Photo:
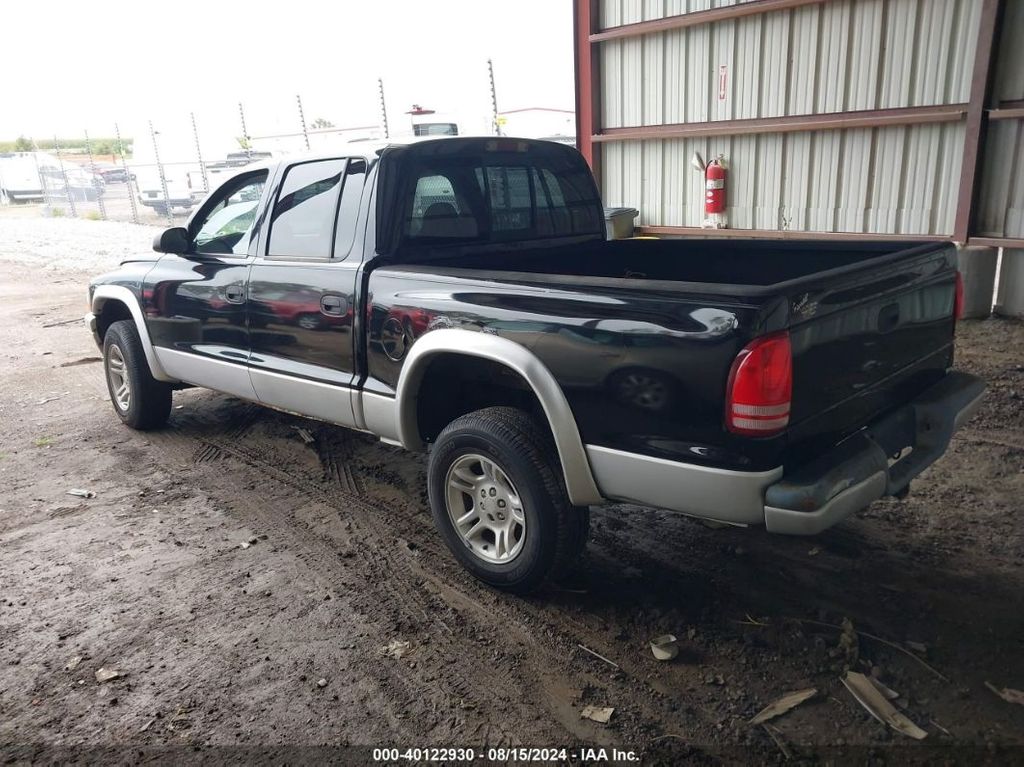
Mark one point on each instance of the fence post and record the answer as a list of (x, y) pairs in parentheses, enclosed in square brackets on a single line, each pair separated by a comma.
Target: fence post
[(199, 153), (245, 134), (302, 121), (92, 169), (127, 176), (163, 178), (42, 178), (64, 175), (383, 107), (494, 99)]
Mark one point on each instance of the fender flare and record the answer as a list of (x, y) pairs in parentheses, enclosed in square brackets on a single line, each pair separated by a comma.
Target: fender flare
[(579, 480), (121, 294)]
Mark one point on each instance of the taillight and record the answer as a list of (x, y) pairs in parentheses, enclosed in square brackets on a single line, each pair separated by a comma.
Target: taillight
[(958, 297), (760, 387)]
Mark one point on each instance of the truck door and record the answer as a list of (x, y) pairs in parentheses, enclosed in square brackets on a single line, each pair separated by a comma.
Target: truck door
[(195, 303), (302, 292)]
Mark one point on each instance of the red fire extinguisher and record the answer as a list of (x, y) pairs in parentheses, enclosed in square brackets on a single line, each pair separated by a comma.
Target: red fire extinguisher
[(714, 194)]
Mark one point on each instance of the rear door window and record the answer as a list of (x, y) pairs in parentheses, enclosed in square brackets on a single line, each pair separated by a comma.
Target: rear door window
[(348, 211), (302, 225)]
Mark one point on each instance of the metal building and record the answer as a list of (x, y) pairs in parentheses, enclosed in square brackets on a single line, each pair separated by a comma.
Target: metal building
[(848, 117)]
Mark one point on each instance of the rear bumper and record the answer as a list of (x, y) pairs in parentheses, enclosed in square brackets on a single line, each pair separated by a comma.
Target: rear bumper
[(857, 471), (813, 497)]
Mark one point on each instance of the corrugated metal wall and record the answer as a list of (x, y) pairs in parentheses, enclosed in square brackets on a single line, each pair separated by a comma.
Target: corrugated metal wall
[(1001, 202), (1009, 85), (838, 56), (894, 180)]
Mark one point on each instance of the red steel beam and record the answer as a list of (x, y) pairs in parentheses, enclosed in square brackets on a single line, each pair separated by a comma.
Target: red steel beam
[(697, 18), (974, 136), (1007, 110), (773, 234), (873, 118), (997, 242), (586, 16)]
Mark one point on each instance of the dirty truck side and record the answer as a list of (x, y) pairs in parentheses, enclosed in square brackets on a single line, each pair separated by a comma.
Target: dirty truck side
[(459, 296)]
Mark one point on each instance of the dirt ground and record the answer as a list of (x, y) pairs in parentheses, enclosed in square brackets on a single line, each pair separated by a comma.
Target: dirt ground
[(252, 589)]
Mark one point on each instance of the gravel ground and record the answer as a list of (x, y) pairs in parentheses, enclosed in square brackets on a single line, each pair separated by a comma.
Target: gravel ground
[(253, 589), (68, 244)]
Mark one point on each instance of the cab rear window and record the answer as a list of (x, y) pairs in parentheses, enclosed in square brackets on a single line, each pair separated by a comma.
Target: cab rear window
[(502, 190)]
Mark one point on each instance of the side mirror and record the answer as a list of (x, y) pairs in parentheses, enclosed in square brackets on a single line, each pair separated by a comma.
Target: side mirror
[(173, 240)]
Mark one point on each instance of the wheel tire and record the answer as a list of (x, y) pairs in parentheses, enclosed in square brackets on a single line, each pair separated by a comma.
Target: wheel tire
[(308, 321), (148, 400), (555, 531)]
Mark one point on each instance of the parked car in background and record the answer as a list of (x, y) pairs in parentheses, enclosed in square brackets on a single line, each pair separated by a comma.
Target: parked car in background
[(111, 173), (19, 178), (39, 176), (63, 181), (479, 309)]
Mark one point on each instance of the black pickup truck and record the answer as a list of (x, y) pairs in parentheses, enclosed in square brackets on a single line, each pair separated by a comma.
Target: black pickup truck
[(459, 296)]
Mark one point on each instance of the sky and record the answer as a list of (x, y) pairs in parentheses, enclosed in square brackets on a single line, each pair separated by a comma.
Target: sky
[(131, 62)]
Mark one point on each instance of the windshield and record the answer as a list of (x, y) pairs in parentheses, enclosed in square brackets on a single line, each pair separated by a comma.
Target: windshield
[(495, 190)]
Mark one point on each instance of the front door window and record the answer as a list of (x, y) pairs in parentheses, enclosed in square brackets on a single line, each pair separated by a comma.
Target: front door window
[(227, 225)]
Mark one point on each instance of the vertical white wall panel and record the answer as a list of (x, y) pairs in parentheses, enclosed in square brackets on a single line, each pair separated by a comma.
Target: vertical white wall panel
[(821, 209), (852, 190), (676, 76), (631, 100), (866, 31), (743, 93), (698, 51), (832, 58), (653, 81), (951, 154), (772, 83), (803, 56)]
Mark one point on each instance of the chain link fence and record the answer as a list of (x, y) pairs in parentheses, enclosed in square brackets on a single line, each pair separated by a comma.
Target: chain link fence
[(152, 176)]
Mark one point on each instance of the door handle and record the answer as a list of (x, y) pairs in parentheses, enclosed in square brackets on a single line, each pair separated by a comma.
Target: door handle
[(234, 294), (333, 306)]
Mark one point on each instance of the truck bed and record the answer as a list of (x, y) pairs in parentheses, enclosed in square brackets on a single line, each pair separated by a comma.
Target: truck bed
[(744, 267), (871, 326)]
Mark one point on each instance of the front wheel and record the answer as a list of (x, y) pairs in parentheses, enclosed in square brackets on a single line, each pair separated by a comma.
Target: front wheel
[(139, 400), (499, 502)]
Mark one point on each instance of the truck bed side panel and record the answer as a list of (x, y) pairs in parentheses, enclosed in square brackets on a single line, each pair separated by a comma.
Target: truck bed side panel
[(643, 371)]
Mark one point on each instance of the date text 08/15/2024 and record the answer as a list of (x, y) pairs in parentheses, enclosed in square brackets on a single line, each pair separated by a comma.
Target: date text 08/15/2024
[(503, 754)]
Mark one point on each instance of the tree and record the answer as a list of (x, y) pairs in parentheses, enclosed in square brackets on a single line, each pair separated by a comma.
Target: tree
[(320, 122), (22, 144)]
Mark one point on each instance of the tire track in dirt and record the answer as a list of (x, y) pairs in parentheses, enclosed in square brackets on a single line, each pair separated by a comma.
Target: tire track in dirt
[(413, 561), (397, 604)]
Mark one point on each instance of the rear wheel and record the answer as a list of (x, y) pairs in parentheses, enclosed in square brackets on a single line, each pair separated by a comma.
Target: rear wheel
[(139, 400), (499, 502)]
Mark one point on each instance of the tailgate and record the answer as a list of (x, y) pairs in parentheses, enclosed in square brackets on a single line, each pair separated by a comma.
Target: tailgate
[(866, 341)]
